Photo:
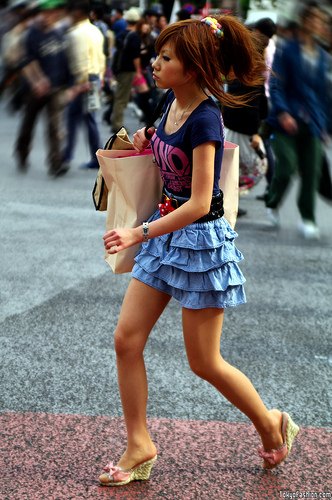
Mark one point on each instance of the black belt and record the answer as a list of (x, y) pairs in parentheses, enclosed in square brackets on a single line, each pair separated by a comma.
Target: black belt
[(169, 203)]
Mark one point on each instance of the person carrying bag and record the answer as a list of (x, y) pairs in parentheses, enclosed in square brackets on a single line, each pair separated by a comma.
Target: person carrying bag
[(125, 174), (188, 250)]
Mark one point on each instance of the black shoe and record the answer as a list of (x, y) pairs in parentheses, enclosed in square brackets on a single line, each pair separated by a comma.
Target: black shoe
[(107, 118), (60, 170), (241, 212), (262, 197), (89, 166), (22, 163)]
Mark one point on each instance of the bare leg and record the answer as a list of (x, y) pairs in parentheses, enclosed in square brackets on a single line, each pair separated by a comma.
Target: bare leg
[(202, 332), (140, 310)]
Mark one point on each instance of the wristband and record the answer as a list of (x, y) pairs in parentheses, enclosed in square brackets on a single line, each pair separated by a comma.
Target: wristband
[(145, 231)]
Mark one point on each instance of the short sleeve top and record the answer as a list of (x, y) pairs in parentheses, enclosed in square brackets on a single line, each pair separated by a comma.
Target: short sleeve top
[(174, 152)]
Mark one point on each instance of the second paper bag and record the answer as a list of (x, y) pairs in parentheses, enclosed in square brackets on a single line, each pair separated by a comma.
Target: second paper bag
[(229, 181)]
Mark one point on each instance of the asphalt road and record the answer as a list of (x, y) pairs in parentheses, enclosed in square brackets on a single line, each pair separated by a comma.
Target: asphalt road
[(58, 307)]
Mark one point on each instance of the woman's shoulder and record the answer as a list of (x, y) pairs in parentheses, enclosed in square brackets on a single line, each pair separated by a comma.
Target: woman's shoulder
[(208, 109), (205, 123)]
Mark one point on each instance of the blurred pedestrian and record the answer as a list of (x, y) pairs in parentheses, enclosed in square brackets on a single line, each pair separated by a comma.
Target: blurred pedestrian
[(46, 70), (87, 63), (183, 14), (298, 92), (188, 249), (267, 28), (99, 18), (322, 29), (97, 15), (126, 66), (162, 23), (13, 57), (118, 23), (151, 17), (242, 126), (244, 8), (145, 90)]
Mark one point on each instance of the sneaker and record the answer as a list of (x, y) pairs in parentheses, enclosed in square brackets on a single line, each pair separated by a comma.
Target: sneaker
[(309, 230), (273, 216)]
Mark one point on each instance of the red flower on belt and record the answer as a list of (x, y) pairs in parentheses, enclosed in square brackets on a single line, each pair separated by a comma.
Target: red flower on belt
[(166, 207)]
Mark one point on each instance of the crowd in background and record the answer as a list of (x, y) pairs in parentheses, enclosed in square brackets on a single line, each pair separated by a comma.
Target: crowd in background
[(71, 60), (79, 62)]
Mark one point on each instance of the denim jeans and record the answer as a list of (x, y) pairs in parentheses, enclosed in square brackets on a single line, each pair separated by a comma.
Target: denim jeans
[(77, 115)]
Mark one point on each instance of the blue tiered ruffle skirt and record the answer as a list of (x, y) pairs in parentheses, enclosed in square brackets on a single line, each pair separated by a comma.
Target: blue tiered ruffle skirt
[(197, 265)]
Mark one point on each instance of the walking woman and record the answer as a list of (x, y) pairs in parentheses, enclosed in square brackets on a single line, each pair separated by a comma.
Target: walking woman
[(188, 249)]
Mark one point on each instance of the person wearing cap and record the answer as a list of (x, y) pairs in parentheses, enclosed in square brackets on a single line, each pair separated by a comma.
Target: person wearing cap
[(126, 67), (47, 72), (87, 62)]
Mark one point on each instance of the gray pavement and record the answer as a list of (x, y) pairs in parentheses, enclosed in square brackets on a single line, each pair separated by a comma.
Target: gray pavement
[(58, 307), (59, 304)]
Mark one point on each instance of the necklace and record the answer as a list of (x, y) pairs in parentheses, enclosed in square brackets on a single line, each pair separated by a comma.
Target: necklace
[(177, 121)]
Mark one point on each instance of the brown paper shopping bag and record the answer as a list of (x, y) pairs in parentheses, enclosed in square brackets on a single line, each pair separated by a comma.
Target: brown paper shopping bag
[(229, 181), (120, 140), (134, 191)]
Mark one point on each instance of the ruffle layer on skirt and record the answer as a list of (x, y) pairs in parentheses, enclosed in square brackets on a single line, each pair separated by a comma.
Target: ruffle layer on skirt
[(197, 265)]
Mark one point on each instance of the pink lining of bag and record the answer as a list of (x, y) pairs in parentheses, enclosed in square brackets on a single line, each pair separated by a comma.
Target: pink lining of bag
[(125, 153)]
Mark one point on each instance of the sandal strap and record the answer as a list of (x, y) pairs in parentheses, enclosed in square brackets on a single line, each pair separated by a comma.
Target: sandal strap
[(273, 457), (116, 473)]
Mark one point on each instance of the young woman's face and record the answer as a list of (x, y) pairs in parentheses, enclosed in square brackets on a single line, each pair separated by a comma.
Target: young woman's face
[(168, 71)]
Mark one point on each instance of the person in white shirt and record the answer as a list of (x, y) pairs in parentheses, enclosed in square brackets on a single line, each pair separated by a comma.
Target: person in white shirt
[(87, 63)]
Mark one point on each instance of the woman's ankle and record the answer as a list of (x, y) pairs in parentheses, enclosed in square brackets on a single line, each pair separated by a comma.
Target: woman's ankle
[(136, 453), (270, 430)]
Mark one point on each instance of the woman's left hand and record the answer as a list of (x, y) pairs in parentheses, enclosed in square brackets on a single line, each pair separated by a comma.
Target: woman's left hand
[(120, 238), (140, 141)]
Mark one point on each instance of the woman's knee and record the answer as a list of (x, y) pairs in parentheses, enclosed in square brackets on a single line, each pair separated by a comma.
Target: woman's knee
[(199, 370), (205, 369), (127, 343)]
